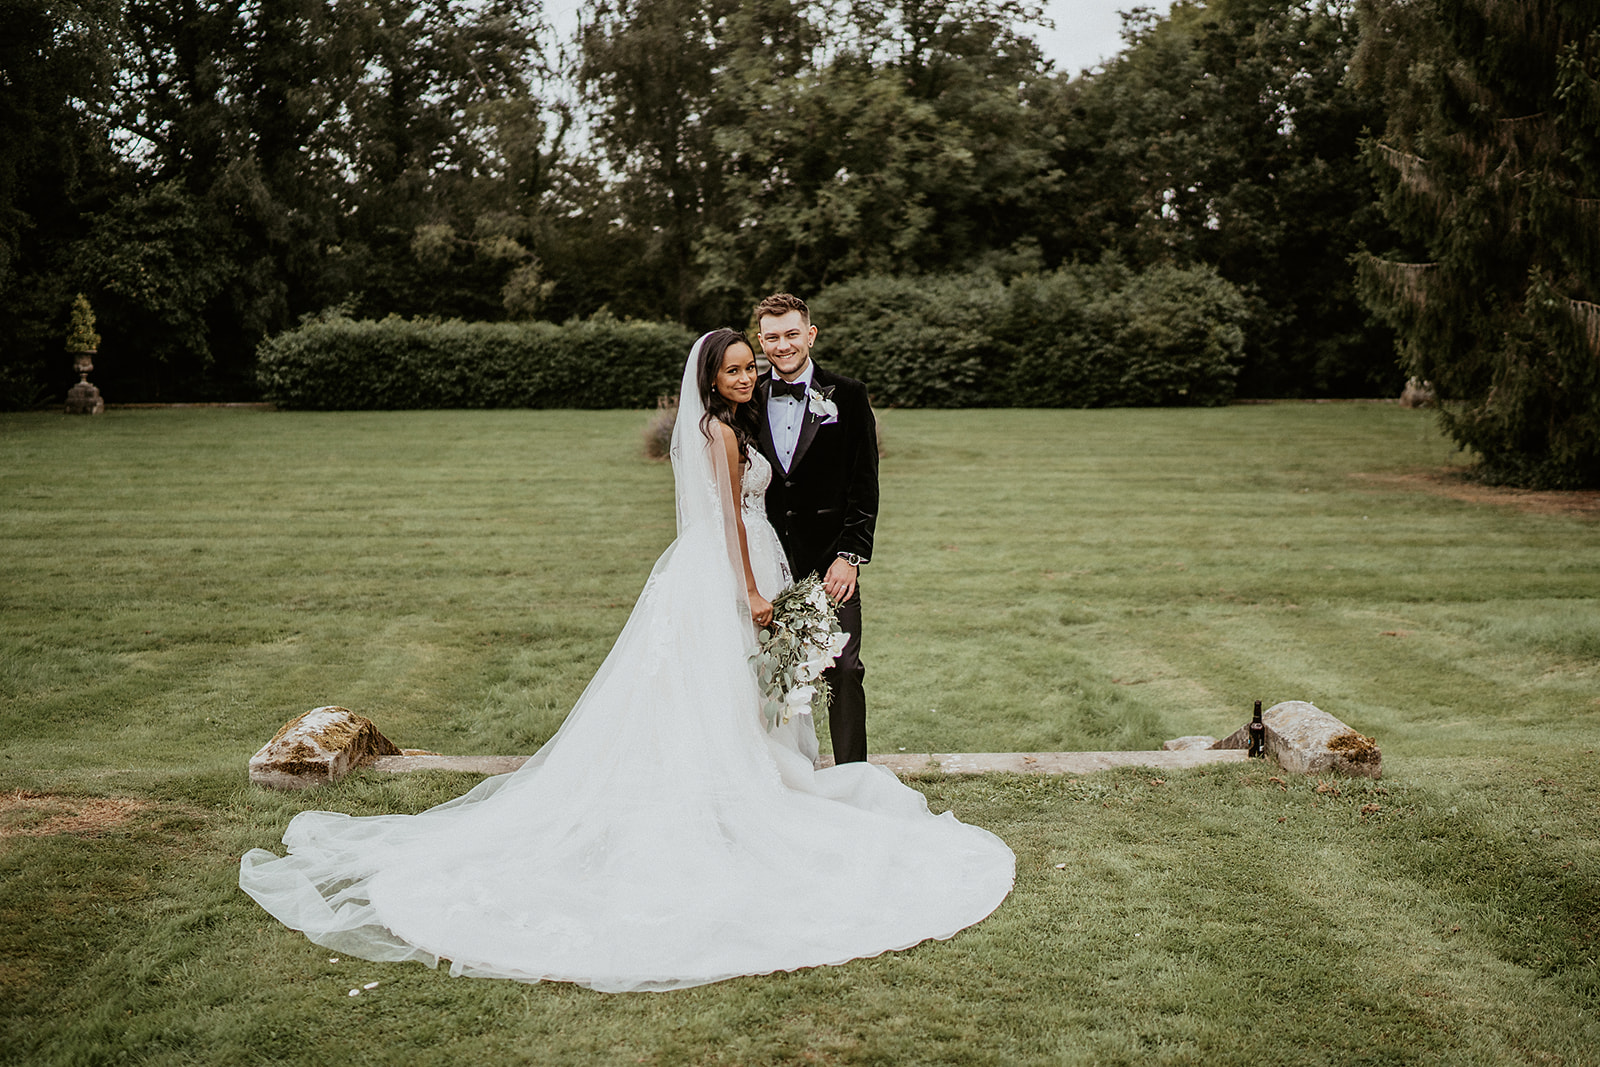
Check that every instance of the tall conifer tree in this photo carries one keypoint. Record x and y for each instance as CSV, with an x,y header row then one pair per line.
x,y
1490,165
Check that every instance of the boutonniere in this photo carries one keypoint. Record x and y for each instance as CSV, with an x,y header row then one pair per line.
x,y
821,407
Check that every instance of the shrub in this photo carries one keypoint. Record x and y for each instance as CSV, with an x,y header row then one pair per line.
x,y
1104,336
80,333
917,341
338,363
658,431
1081,336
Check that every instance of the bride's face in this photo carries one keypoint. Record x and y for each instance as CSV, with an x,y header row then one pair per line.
x,y
736,381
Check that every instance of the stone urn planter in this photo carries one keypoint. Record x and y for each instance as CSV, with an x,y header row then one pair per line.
x,y
84,398
82,344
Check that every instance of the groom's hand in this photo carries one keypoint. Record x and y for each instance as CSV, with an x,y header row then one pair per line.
x,y
840,581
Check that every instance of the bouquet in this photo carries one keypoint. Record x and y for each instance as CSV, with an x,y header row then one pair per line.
x,y
796,647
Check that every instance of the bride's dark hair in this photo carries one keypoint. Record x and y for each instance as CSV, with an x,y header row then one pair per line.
x,y
741,419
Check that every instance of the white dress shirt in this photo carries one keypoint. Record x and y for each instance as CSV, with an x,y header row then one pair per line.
x,y
785,415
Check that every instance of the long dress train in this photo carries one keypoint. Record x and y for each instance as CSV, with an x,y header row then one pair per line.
x,y
662,838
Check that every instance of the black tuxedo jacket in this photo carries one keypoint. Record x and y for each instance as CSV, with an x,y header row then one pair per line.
x,y
827,501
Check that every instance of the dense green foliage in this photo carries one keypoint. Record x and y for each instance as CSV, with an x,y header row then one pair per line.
x,y
337,363
54,168
81,336
1491,166
1099,336
909,146
216,170
1227,134
209,174
918,342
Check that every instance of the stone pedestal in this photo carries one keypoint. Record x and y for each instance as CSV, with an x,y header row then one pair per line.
x,y
319,747
84,399
1417,394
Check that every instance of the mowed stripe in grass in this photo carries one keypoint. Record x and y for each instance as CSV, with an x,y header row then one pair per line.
x,y
175,584
1154,572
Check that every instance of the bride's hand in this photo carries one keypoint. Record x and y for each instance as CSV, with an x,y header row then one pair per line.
x,y
760,609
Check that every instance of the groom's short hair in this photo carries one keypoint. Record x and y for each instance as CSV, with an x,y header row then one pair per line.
x,y
781,304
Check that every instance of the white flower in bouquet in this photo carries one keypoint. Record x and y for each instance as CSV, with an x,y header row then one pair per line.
x,y
820,661
799,698
796,647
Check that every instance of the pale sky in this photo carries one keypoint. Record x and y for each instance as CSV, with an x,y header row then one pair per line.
x,y
1086,30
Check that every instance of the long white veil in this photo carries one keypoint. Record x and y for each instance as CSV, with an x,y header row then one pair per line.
x,y
707,490
652,843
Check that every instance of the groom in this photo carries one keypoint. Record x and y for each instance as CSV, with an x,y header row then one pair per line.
x,y
819,434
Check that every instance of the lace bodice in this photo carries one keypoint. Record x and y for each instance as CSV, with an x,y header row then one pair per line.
x,y
753,483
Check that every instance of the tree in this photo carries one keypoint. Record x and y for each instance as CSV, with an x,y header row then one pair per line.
x,y
1490,166
911,150
285,156
159,261
650,71
1227,134
789,143
455,152
56,63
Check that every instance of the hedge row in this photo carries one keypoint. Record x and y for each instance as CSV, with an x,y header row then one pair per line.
x,y
341,364
1082,336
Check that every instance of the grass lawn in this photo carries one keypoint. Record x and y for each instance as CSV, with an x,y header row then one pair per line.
x,y
176,584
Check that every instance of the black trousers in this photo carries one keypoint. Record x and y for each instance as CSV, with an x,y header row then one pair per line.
x,y
847,704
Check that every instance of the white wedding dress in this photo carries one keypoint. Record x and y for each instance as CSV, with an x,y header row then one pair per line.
x,y
662,838
771,569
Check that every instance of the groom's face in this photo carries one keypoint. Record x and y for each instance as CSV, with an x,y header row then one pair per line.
x,y
786,341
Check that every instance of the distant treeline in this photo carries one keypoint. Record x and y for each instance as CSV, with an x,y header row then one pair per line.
x,y
208,173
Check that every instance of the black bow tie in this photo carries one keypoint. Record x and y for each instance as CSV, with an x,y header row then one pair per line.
x,y
783,388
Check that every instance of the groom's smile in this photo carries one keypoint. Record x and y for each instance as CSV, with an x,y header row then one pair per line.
x,y
786,341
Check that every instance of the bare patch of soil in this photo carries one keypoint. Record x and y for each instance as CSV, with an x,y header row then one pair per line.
x,y
1446,481
25,814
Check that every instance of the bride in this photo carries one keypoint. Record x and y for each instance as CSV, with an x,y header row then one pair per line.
x,y
663,838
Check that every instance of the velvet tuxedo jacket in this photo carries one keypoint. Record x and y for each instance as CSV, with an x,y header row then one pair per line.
x,y
827,501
